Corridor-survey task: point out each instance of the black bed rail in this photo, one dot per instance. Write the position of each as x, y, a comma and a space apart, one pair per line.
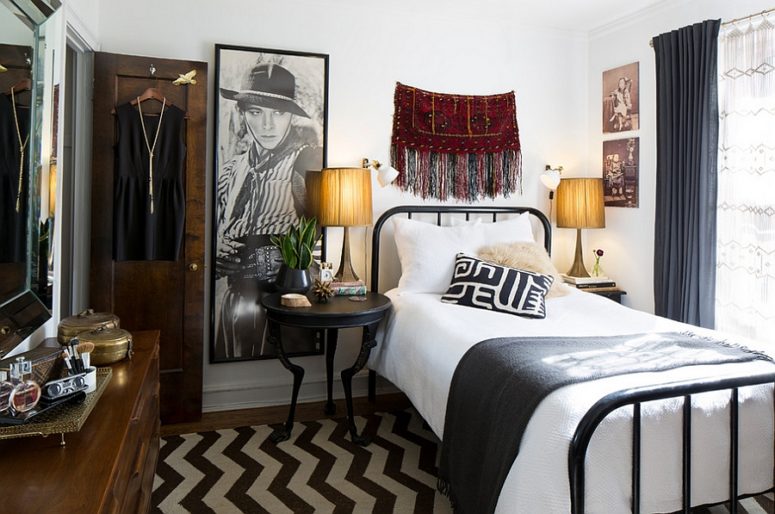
438, 210
637, 395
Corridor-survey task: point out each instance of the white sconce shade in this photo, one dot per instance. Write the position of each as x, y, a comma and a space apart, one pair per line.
551, 179
386, 174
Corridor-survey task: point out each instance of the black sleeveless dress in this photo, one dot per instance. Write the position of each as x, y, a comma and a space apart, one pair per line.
138, 233
13, 222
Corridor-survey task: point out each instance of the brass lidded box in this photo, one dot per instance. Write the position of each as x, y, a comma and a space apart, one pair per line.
84, 322
110, 345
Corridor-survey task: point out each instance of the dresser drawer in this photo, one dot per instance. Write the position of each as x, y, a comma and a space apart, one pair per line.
139, 451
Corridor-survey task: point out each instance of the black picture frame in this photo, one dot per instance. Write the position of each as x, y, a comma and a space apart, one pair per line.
270, 128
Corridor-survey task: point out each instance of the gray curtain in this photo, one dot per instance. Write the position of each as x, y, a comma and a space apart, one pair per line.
686, 196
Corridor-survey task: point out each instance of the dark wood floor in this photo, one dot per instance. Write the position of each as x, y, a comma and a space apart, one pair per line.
278, 414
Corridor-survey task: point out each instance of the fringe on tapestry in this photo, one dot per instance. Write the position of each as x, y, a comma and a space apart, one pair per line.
455, 146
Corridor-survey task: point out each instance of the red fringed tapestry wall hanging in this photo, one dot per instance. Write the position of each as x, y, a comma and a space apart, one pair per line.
459, 146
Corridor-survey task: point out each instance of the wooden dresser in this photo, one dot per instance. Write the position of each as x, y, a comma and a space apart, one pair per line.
109, 465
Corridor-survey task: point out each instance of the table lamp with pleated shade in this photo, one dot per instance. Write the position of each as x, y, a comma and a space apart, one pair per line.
345, 201
580, 204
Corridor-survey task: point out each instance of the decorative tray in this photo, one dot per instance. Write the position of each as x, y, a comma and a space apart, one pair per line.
63, 418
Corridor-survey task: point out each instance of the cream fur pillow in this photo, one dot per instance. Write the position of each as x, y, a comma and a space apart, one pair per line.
525, 256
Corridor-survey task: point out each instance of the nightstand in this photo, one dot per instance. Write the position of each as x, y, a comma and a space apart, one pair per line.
614, 293
339, 312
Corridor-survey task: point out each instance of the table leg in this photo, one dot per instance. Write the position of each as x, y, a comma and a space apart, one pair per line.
332, 335
367, 343
372, 386
283, 433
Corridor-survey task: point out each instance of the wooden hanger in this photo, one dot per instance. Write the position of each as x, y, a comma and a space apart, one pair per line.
22, 85
151, 94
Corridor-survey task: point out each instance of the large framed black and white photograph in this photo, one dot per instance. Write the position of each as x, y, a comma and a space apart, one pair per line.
270, 130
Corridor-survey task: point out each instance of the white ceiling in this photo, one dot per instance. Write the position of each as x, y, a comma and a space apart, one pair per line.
581, 15
572, 15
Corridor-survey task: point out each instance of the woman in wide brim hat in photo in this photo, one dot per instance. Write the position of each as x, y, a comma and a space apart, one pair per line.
268, 85
260, 192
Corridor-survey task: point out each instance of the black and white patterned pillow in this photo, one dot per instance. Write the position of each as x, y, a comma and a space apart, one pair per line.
480, 284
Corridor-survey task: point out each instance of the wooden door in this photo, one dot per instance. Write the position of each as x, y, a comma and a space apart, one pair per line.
163, 295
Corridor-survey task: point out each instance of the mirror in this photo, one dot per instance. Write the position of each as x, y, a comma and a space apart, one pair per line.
25, 218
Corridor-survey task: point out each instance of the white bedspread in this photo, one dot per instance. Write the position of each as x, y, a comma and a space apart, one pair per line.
424, 339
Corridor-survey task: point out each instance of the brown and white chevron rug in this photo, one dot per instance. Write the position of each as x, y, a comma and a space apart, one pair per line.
317, 470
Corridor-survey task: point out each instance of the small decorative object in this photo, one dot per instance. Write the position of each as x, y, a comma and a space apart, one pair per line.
596, 270
323, 290
85, 321
110, 345
186, 78
295, 300
26, 393
296, 247
326, 272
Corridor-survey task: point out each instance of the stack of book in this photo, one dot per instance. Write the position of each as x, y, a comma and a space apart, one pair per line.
589, 282
356, 288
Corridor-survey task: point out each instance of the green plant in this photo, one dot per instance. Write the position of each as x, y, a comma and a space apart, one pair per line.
297, 244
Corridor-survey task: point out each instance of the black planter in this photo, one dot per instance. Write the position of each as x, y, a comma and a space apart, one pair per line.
290, 280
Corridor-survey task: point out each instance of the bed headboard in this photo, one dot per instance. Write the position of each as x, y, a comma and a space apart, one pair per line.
439, 211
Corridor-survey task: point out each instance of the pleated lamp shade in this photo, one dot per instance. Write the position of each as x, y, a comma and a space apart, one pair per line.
345, 197
580, 203
345, 201
312, 181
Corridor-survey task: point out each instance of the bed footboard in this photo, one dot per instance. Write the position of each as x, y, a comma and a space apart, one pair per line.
635, 397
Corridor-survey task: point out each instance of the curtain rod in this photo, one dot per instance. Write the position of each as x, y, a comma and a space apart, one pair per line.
730, 22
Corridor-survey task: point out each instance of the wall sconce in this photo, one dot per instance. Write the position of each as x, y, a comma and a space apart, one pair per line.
550, 178
386, 174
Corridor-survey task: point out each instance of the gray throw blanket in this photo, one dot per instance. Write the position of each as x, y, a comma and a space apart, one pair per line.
499, 382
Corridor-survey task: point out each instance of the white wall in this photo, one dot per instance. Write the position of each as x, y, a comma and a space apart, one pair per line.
629, 235
371, 46
83, 16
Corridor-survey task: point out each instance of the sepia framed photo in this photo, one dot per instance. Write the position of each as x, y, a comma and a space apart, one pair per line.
621, 97
271, 110
620, 172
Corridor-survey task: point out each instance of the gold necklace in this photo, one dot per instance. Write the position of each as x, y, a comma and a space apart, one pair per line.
22, 148
150, 147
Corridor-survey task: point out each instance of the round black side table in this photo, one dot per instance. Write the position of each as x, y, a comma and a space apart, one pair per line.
339, 312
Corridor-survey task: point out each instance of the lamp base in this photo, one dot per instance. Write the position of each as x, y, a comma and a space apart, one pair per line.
578, 269
345, 273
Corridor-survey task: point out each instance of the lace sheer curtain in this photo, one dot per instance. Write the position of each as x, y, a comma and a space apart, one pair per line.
745, 278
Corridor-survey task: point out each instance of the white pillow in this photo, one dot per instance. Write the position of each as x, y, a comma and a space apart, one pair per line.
427, 252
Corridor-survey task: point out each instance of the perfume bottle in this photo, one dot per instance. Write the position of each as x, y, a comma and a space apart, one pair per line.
6, 388
26, 393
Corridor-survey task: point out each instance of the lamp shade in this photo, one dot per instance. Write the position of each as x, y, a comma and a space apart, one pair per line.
312, 181
580, 203
345, 197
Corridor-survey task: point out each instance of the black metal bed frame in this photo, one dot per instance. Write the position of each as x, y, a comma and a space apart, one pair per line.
629, 397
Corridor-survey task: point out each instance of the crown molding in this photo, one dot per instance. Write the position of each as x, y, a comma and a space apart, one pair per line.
635, 17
